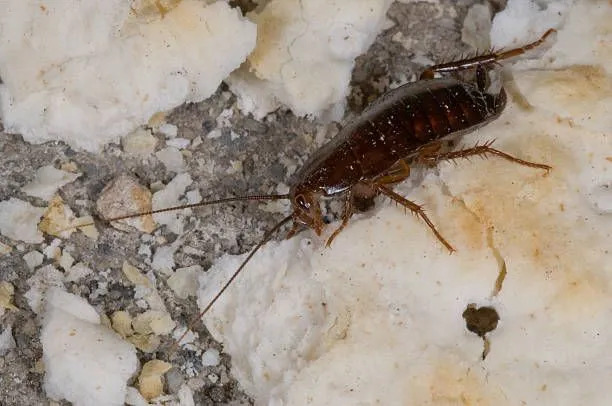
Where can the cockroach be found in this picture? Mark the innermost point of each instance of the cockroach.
(374, 151)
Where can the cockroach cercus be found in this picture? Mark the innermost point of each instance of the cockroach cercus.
(374, 151)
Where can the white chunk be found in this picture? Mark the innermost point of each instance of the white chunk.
(66, 260)
(43, 279)
(172, 159)
(134, 398)
(7, 342)
(77, 272)
(140, 142)
(47, 181)
(179, 143)
(184, 281)
(33, 259)
(169, 130)
(18, 220)
(185, 396)
(210, 357)
(89, 72)
(170, 196)
(305, 54)
(85, 362)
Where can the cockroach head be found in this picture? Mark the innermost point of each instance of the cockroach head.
(306, 210)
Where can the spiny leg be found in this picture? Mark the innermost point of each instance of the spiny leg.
(346, 215)
(397, 173)
(486, 59)
(481, 150)
(416, 209)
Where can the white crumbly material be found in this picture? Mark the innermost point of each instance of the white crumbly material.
(47, 181)
(377, 318)
(170, 196)
(45, 278)
(7, 342)
(87, 72)
(172, 159)
(305, 54)
(85, 362)
(18, 220)
(33, 259)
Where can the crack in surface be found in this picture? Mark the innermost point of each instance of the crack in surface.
(501, 262)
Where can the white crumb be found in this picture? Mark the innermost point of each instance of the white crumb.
(184, 281)
(90, 72)
(47, 181)
(163, 259)
(33, 259)
(210, 358)
(7, 342)
(139, 142)
(134, 398)
(85, 362)
(193, 196)
(172, 159)
(169, 130)
(170, 196)
(18, 220)
(53, 250)
(378, 317)
(185, 396)
(179, 143)
(66, 260)
(305, 54)
(77, 272)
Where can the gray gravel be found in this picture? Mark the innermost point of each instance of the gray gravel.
(280, 137)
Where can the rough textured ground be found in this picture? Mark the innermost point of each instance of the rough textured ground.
(266, 149)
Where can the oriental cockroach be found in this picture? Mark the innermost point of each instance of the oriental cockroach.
(373, 152)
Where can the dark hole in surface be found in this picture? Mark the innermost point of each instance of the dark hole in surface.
(480, 320)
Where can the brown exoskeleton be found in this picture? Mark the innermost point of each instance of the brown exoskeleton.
(374, 151)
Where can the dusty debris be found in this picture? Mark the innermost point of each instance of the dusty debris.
(58, 219)
(18, 220)
(150, 382)
(47, 181)
(7, 290)
(124, 196)
(153, 322)
(85, 362)
(139, 142)
(184, 281)
(122, 323)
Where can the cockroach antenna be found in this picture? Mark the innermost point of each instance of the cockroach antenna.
(186, 206)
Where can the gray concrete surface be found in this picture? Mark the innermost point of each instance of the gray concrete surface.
(229, 229)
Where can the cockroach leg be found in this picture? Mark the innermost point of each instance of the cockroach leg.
(295, 228)
(482, 150)
(414, 208)
(399, 172)
(346, 215)
(480, 61)
(363, 197)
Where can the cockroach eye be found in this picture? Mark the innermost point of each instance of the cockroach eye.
(301, 201)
